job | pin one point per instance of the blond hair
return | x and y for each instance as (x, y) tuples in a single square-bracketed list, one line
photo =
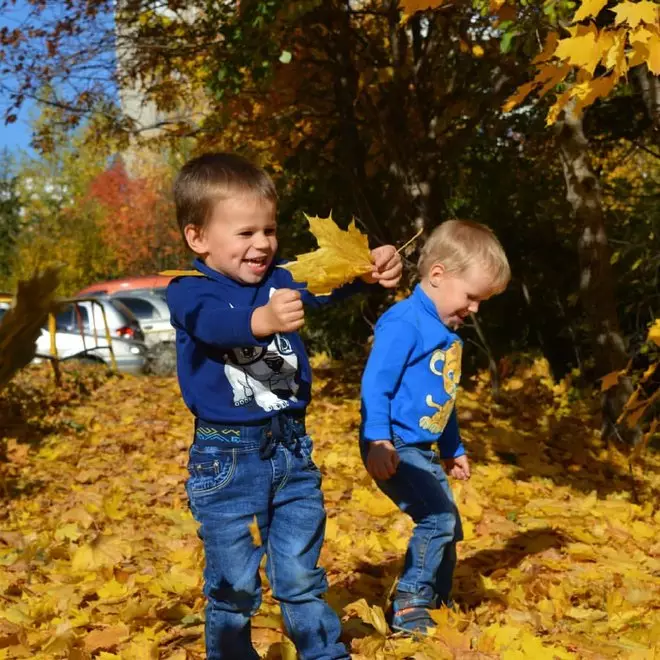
[(211, 177), (458, 244)]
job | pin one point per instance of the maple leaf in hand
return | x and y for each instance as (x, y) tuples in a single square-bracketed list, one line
[(341, 257)]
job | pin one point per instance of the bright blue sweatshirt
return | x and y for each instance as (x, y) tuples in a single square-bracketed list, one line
[(410, 382), (226, 374)]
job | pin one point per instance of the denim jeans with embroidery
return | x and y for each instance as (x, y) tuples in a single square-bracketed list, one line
[(237, 473), (419, 487)]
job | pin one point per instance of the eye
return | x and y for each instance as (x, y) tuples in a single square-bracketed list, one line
[(246, 234), (270, 231)]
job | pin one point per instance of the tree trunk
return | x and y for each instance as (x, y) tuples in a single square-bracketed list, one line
[(596, 278), (650, 87)]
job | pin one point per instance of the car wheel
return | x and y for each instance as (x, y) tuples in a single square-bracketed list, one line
[(161, 360)]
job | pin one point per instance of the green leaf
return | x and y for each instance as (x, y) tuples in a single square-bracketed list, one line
[(285, 57), (507, 41)]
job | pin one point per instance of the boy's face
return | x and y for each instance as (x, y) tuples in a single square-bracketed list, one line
[(457, 295), (239, 240)]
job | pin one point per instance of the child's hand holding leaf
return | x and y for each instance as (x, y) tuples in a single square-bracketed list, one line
[(387, 267)]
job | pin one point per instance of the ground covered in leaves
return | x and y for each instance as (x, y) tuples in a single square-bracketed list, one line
[(99, 556)]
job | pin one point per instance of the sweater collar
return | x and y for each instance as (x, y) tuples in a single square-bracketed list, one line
[(199, 265), (422, 299)]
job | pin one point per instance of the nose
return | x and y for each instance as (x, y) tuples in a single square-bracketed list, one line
[(260, 241), (473, 307)]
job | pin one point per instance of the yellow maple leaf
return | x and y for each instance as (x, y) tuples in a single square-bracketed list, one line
[(654, 332), (588, 8), (411, 7), (255, 533), (610, 380), (557, 107), (635, 13), (342, 256), (615, 57), (374, 616), (580, 51), (653, 58)]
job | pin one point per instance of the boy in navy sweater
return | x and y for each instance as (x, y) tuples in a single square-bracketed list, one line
[(408, 393), (245, 376)]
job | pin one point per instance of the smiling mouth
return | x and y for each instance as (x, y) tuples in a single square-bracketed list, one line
[(256, 262)]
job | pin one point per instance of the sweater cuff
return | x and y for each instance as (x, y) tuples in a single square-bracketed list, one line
[(258, 341), (459, 451), (376, 432)]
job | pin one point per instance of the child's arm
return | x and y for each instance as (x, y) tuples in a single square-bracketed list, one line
[(453, 451), (394, 342), (210, 320)]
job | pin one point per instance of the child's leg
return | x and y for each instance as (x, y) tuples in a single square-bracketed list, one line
[(228, 486), (444, 577), (295, 538), (420, 488)]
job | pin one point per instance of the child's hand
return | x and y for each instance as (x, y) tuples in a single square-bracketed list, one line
[(387, 267), (382, 459), (458, 467), (283, 313)]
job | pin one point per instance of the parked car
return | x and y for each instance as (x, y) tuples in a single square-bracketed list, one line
[(80, 333), (130, 355), (153, 314), (87, 315), (76, 338), (150, 283)]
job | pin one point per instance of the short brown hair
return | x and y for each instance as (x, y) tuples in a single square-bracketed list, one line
[(458, 244), (212, 177)]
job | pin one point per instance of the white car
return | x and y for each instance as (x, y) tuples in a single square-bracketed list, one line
[(152, 313), (80, 335), (76, 339), (130, 355)]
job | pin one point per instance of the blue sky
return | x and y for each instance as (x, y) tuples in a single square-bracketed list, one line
[(15, 136)]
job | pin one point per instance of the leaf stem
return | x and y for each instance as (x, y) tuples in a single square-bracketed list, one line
[(407, 243)]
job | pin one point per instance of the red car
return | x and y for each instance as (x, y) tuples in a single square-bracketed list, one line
[(154, 283)]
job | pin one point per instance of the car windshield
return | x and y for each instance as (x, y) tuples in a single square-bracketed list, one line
[(128, 316), (143, 309)]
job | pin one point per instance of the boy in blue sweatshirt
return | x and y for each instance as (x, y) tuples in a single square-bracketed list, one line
[(245, 376), (408, 394)]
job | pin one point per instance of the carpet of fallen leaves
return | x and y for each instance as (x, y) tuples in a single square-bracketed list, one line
[(99, 556)]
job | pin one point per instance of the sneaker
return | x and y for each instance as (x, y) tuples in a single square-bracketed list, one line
[(412, 620)]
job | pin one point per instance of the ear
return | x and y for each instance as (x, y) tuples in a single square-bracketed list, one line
[(436, 273), (196, 238)]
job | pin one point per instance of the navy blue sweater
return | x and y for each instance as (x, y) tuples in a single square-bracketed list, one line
[(226, 374), (410, 381)]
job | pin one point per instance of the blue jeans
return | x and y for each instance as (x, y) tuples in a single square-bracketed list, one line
[(237, 473), (419, 487)]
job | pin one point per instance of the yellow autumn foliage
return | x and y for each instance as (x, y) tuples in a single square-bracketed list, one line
[(99, 557)]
